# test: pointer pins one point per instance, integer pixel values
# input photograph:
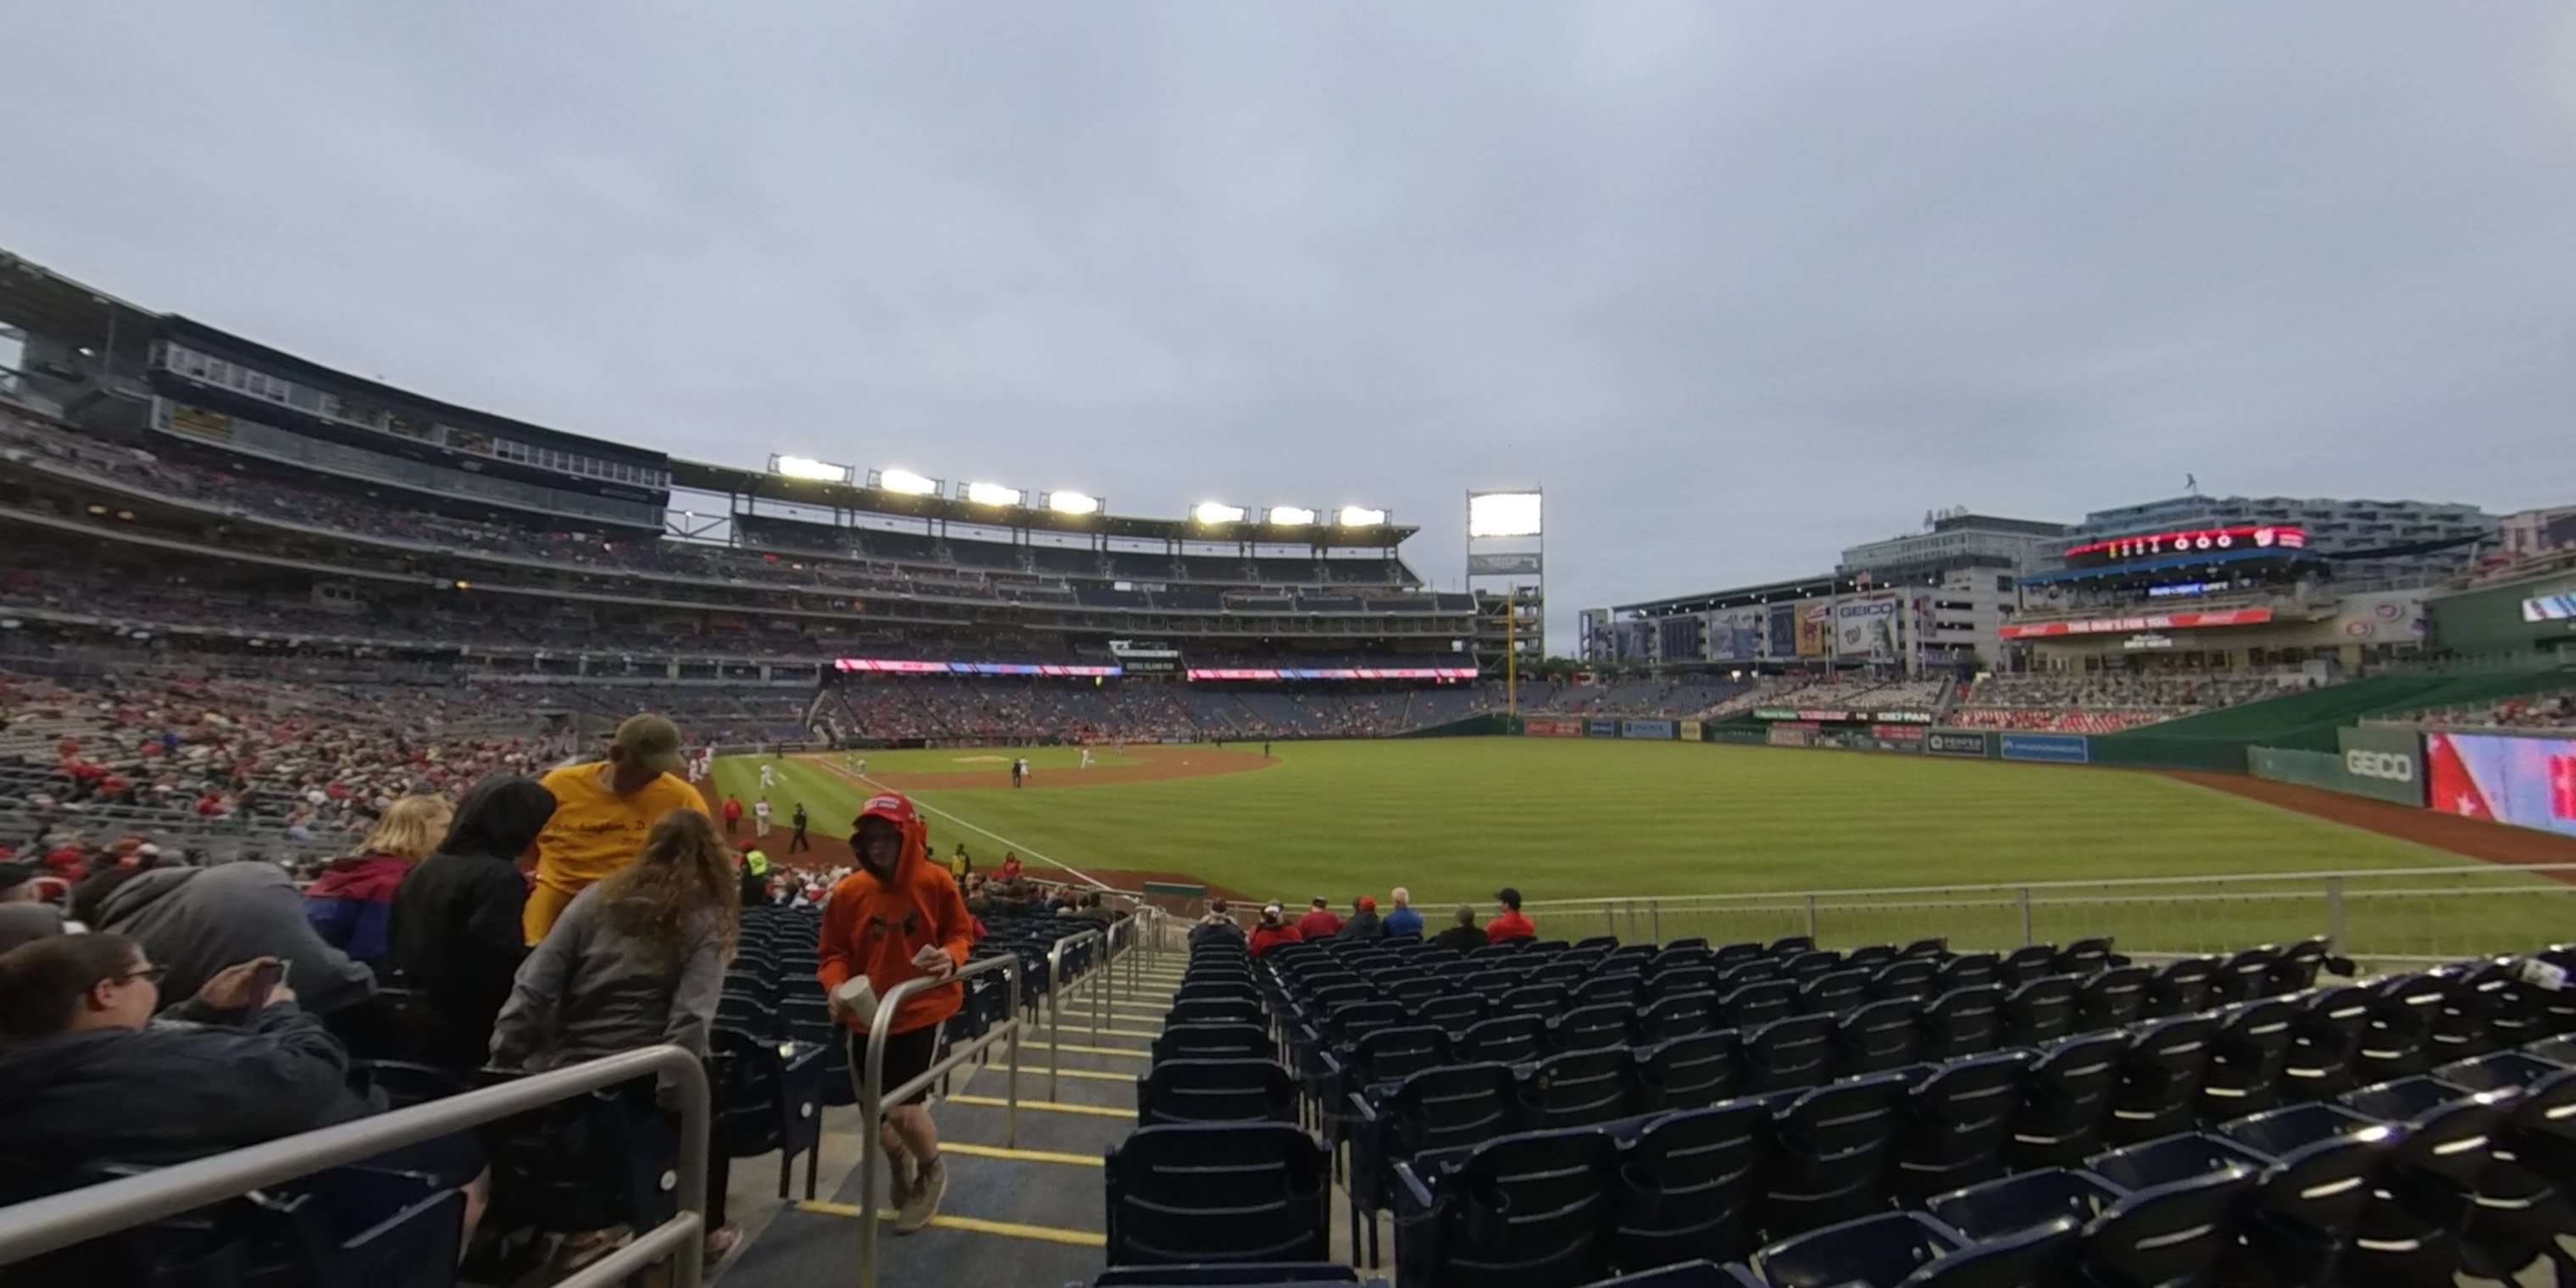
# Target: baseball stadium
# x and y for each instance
(2169, 897)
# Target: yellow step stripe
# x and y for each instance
(1007, 1229)
(1048, 1106)
(1089, 1050)
(1083, 1030)
(1018, 1155)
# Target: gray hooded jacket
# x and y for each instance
(197, 921)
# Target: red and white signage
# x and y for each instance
(2151, 622)
(2198, 541)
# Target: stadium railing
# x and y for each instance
(2394, 916)
(873, 1093)
(58, 1221)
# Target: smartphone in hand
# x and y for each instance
(264, 982)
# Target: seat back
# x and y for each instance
(1834, 992)
(1212, 1042)
(2066, 1099)
(2397, 1034)
(2168, 1234)
(1349, 1021)
(2083, 957)
(1453, 1106)
(1619, 987)
(2245, 975)
(1886, 1249)
(1833, 1149)
(1579, 1089)
(2180, 987)
(1522, 1211)
(1452, 1012)
(1587, 1028)
(1245, 1192)
(1388, 1055)
(1806, 964)
(1227, 1010)
(1541, 1000)
(1964, 1021)
(1955, 1123)
(1905, 979)
(1755, 1004)
(1689, 1183)
(1689, 1072)
(1969, 970)
(1788, 1054)
(2326, 1028)
(2110, 999)
(1676, 1014)
(1215, 1091)
(2247, 1052)
(1509, 1039)
(2160, 1077)
(1875, 1038)
(2039, 1012)
(2027, 963)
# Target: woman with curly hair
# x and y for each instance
(637, 959)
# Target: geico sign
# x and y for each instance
(2386, 765)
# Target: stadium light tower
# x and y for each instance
(1290, 516)
(1072, 502)
(1213, 512)
(1507, 547)
(904, 482)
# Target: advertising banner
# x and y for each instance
(2149, 622)
(1503, 565)
(1867, 626)
(1898, 733)
(1547, 727)
(1603, 729)
(1784, 632)
(2382, 762)
(1815, 631)
(2528, 782)
(1903, 717)
(1735, 634)
(1954, 742)
(1787, 736)
(2054, 748)
(1689, 731)
(1659, 729)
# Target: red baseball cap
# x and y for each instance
(893, 807)
(1367, 904)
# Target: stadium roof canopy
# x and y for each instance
(45, 302)
(1777, 592)
(733, 481)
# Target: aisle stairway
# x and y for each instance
(1028, 1211)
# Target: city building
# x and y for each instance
(2362, 542)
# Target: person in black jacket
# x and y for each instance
(88, 1078)
(455, 936)
(1463, 935)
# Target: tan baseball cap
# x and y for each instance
(652, 742)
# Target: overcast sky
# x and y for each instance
(1739, 284)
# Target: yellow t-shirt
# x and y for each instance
(593, 833)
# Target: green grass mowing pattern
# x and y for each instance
(1456, 819)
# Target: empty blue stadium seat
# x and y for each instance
(1529, 1210)
(1690, 1186)
(1254, 1192)
(1215, 1091)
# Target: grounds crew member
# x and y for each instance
(755, 879)
(899, 917)
(603, 810)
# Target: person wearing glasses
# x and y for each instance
(89, 1076)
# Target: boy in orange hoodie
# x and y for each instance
(899, 917)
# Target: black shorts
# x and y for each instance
(907, 1056)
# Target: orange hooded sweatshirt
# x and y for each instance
(873, 927)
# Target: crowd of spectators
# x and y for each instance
(1855, 694)
(2535, 711)
(2075, 702)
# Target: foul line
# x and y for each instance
(1007, 843)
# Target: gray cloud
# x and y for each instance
(1741, 284)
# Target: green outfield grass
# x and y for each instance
(1455, 819)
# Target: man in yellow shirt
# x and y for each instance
(603, 811)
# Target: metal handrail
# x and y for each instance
(873, 1092)
(1055, 990)
(61, 1220)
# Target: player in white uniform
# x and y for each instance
(1086, 757)
(768, 776)
(760, 811)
